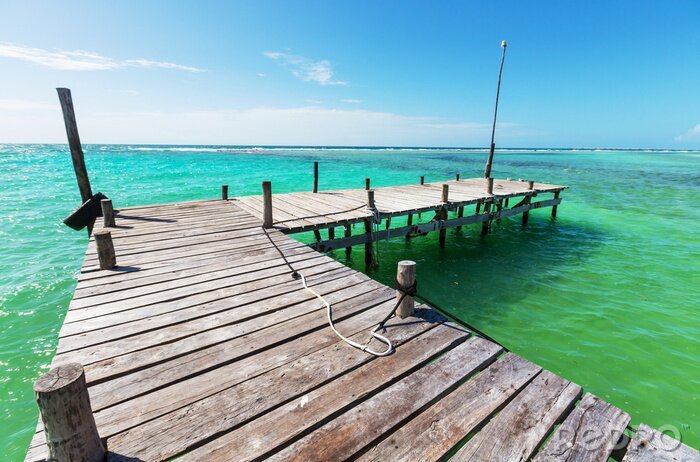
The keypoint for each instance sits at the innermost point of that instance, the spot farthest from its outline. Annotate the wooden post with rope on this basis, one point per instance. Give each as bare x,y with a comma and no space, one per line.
405,278
487,171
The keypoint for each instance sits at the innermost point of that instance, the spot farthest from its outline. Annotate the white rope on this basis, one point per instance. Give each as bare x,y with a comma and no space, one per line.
329,312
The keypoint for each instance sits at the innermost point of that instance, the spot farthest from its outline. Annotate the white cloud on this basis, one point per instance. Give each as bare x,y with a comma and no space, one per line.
24,105
311,125
306,69
691,135
80,60
351,101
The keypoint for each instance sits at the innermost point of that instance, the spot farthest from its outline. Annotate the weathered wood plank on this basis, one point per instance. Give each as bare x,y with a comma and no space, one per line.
589,434
449,420
348,433
649,445
520,427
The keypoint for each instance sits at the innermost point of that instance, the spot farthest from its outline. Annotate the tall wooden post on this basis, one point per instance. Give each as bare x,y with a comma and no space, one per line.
76,149
69,426
105,250
267,204
528,199
406,278
315,177
348,233
107,213
224,192
554,207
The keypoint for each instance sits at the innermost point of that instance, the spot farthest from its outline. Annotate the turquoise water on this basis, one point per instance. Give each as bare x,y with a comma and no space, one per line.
607,296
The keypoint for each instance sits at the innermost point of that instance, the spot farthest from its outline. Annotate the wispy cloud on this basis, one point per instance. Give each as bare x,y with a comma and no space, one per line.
691,135
24,105
306,69
79,60
351,101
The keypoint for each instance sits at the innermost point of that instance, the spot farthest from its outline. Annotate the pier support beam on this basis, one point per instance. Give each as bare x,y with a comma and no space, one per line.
405,277
528,199
370,262
348,233
443,212
224,192
69,426
554,207
105,250
267,204
315,177
107,213
486,226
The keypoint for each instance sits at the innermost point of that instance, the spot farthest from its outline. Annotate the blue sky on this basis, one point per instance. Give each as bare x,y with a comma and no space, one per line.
594,73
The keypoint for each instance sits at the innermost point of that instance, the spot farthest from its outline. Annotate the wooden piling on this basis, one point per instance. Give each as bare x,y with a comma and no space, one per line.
443,212
348,233
406,278
527,200
331,233
105,250
457,177
485,226
478,206
554,207
315,177
317,235
388,223
76,149
366,183
69,426
107,213
489,185
422,180
224,192
369,245
370,199
267,204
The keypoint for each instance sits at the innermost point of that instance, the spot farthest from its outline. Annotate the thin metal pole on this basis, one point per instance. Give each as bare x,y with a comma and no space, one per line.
487,172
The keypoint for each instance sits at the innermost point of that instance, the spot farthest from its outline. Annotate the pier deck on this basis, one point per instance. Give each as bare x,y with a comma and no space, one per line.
200,345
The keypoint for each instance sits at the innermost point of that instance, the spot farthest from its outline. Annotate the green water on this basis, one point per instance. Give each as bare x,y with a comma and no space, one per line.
607,296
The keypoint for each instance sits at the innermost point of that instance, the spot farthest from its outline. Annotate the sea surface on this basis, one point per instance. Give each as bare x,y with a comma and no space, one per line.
607,296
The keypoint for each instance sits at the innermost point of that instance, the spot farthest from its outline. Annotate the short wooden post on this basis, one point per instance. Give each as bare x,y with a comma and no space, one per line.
445,192
460,214
69,426
105,250
410,219
224,192
370,199
507,201
422,180
348,233
528,199
315,177
406,278
107,213
267,204
457,177
554,207
366,183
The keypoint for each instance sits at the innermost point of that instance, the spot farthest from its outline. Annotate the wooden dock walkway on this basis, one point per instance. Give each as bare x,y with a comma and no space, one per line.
199,345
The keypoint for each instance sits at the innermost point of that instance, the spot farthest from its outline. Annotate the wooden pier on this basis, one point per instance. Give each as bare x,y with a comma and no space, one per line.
199,345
